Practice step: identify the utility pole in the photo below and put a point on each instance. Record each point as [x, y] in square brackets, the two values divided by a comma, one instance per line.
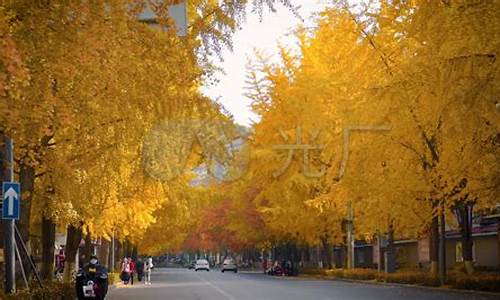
[9, 238]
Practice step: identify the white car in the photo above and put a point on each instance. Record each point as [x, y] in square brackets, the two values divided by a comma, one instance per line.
[202, 264]
[229, 265]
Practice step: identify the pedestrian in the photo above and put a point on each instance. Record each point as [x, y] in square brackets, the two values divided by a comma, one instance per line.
[132, 270]
[277, 269]
[125, 271]
[139, 267]
[288, 268]
[60, 259]
[148, 266]
[264, 265]
[291, 268]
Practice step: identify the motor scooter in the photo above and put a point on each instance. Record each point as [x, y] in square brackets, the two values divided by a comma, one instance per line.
[91, 283]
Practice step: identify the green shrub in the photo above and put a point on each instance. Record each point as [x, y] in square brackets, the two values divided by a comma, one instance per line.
[481, 282]
[380, 276]
[431, 280]
[360, 274]
[337, 273]
[456, 279]
[356, 274]
[113, 278]
[409, 277]
[313, 271]
[487, 269]
[50, 291]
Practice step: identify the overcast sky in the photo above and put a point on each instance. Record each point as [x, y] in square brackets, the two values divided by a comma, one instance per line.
[274, 28]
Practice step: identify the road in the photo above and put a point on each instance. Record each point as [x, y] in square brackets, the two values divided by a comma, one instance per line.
[181, 284]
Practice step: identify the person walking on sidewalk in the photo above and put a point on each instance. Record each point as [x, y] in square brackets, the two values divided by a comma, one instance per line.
[148, 267]
[139, 266]
[132, 270]
[125, 276]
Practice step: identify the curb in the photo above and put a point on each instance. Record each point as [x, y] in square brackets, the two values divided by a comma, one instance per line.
[394, 284]
[112, 287]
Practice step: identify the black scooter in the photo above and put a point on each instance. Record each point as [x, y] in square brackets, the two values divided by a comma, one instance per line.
[91, 282]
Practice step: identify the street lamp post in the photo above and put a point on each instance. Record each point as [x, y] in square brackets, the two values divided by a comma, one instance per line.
[9, 245]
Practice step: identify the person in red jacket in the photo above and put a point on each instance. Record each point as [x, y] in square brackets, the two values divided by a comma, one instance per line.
[132, 270]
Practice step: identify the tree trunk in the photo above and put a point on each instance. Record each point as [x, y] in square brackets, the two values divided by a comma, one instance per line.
[88, 249]
[134, 252]
[119, 253]
[48, 240]
[104, 253]
[124, 248]
[442, 246]
[27, 181]
[344, 255]
[127, 248]
[73, 238]
[390, 252]
[464, 214]
[318, 256]
[296, 256]
[110, 260]
[498, 242]
[302, 262]
[327, 252]
[434, 245]
[379, 252]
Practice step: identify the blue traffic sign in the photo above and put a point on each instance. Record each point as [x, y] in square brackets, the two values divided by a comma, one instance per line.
[11, 200]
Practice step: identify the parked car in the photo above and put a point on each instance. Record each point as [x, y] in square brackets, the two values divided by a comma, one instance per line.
[191, 265]
[179, 261]
[229, 265]
[202, 264]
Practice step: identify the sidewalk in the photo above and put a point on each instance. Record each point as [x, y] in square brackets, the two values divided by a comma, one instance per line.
[375, 282]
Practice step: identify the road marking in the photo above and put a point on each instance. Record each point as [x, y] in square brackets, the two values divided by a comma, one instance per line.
[159, 285]
[218, 289]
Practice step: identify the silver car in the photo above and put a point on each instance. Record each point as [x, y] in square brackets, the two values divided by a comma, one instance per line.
[202, 264]
[229, 265]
